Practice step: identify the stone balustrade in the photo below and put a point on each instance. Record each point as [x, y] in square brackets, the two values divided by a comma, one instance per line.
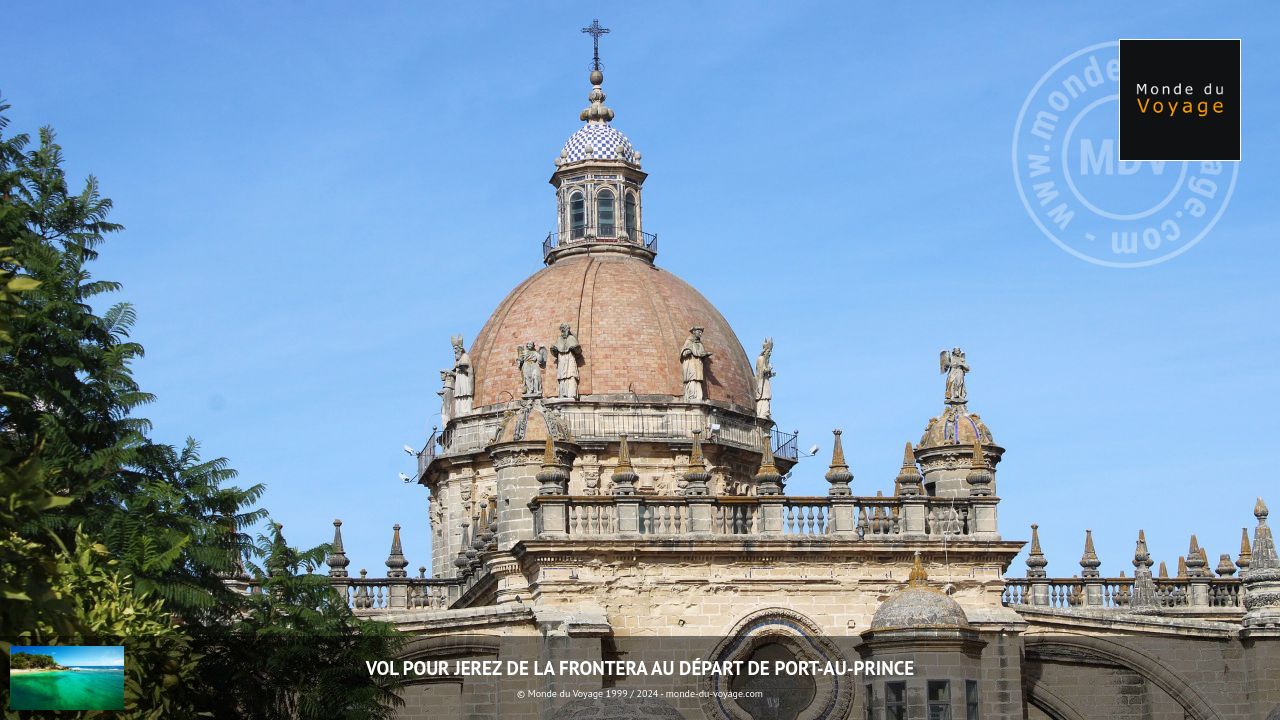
[863, 518]
[373, 595]
[1117, 593]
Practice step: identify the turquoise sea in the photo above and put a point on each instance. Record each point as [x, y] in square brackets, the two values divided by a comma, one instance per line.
[87, 688]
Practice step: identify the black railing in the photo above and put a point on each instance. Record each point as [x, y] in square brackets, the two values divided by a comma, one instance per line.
[648, 241]
[786, 445]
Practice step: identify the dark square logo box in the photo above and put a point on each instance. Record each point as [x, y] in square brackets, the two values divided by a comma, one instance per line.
[1179, 99]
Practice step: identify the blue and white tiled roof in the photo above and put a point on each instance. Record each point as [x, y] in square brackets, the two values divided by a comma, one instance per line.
[598, 141]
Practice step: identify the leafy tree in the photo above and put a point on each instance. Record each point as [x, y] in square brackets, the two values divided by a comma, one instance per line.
[106, 534]
[313, 666]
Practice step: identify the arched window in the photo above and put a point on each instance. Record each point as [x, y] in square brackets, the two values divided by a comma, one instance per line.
[632, 217]
[605, 215]
[577, 216]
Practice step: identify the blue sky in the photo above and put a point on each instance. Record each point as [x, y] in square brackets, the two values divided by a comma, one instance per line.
[318, 195]
[78, 655]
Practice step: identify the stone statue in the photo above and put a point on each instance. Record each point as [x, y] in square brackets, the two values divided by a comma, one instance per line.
[952, 363]
[693, 359]
[764, 380]
[463, 383]
[566, 350]
[531, 360]
[446, 397]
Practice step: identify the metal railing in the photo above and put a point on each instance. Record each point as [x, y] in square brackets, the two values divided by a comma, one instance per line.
[616, 234]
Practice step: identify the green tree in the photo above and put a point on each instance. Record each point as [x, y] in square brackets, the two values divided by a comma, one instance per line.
[110, 535]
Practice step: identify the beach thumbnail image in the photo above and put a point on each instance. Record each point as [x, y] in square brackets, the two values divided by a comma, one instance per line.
[66, 677]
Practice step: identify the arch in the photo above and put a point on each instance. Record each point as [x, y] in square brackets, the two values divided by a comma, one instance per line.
[798, 634]
[1049, 703]
[606, 214]
[577, 215]
[1150, 667]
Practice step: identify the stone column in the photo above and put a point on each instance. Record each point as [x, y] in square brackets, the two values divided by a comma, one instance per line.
[624, 489]
[842, 503]
[769, 487]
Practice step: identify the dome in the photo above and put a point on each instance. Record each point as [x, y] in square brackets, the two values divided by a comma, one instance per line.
[631, 319]
[919, 607]
[955, 426]
[598, 141]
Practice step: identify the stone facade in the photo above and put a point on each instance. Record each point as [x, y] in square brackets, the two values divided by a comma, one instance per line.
[630, 521]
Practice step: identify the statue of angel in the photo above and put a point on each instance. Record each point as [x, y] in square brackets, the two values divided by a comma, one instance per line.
[953, 364]
[531, 360]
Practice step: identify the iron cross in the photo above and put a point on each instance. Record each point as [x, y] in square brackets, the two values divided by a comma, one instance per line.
[595, 31]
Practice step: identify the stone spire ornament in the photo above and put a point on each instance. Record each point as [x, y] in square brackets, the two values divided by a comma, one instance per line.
[1164, 571]
[337, 560]
[768, 479]
[1262, 581]
[696, 476]
[1246, 553]
[1225, 568]
[1036, 561]
[1089, 561]
[918, 577]
[552, 479]
[838, 474]
[1264, 547]
[1144, 588]
[1196, 564]
[624, 476]
[395, 560]
[979, 477]
[910, 482]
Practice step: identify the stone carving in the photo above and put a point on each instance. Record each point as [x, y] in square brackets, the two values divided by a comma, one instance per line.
[693, 359]
[565, 351]
[953, 364]
[531, 360]
[447, 379]
[463, 383]
[764, 380]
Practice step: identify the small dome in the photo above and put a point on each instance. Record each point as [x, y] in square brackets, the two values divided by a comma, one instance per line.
[955, 426]
[598, 141]
[919, 607]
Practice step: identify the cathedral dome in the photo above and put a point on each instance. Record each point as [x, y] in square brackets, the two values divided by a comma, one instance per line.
[631, 318]
[598, 141]
[955, 426]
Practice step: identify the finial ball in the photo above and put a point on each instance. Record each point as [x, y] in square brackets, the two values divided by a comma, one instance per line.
[597, 77]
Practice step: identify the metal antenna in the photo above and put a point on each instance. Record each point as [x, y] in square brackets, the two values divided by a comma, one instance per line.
[595, 31]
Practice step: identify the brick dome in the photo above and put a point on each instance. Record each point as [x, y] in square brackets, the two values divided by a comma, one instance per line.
[631, 319]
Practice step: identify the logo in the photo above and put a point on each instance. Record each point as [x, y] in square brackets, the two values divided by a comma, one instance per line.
[1083, 197]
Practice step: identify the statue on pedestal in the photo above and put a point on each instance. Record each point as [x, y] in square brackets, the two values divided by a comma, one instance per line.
[531, 360]
[953, 364]
[764, 380]
[693, 359]
[566, 350]
[463, 383]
